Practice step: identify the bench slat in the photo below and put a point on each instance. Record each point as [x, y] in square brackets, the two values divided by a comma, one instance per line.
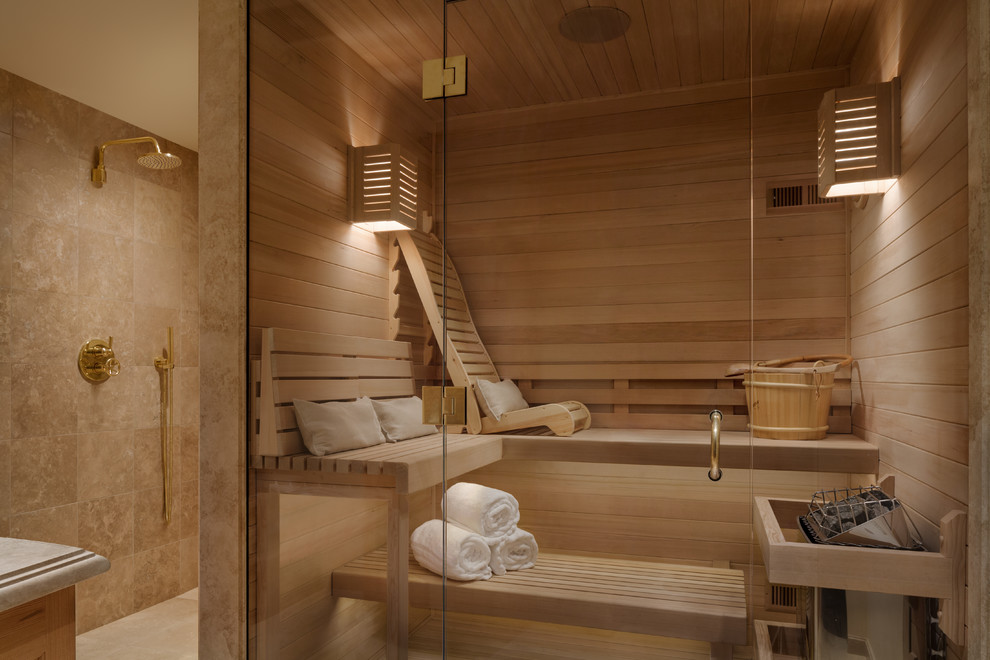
[691, 602]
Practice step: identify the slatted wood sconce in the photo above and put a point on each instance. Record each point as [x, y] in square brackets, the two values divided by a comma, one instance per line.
[859, 139]
[383, 188]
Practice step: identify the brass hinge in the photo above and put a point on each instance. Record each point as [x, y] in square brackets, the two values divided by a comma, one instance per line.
[444, 405]
[445, 78]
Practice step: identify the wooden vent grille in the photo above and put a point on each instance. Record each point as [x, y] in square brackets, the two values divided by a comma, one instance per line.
[781, 598]
[384, 187]
[798, 197]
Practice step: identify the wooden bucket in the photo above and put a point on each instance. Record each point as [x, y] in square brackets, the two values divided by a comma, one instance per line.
[790, 403]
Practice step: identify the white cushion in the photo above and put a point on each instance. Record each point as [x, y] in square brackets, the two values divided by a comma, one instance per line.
[499, 398]
[402, 419]
[335, 426]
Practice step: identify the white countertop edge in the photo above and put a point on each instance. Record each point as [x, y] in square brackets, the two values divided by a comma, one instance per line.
[32, 569]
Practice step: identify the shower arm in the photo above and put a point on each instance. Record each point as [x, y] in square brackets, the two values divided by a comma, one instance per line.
[100, 173]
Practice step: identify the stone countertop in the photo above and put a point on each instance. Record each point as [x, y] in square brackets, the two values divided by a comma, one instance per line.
[32, 569]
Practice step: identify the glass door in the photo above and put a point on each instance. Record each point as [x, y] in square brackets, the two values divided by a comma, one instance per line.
[596, 207]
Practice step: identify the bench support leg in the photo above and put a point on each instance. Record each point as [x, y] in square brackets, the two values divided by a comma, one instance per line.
[721, 651]
[397, 586]
[268, 573]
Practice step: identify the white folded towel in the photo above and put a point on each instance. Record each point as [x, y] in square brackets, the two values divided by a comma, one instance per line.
[467, 556]
[513, 552]
[487, 511]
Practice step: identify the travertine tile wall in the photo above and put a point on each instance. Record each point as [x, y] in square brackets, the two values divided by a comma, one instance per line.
[80, 464]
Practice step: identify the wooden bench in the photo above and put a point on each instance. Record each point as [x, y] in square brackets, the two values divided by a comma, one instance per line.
[587, 591]
[673, 600]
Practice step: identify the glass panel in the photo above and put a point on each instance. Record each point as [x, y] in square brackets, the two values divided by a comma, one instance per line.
[597, 208]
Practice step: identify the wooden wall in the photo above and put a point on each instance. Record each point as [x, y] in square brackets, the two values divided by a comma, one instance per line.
[311, 97]
[604, 246]
[908, 259]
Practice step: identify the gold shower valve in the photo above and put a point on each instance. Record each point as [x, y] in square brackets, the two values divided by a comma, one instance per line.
[97, 362]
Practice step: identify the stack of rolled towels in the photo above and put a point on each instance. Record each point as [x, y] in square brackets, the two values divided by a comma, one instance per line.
[482, 535]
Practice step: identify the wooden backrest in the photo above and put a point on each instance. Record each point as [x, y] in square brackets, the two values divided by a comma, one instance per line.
[467, 359]
[321, 367]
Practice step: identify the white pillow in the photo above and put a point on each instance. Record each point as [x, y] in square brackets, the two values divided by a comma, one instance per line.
[334, 426]
[499, 398]
[402, 419]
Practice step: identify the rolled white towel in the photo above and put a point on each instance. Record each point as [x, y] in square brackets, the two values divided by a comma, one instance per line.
[467, 557]
[513, 552]
[487, 511]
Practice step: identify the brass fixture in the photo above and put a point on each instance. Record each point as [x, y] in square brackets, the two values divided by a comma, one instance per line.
[444, 77]
[715, 472]
[165, 364]
[97, 362]
[154, 160]
[444, 405]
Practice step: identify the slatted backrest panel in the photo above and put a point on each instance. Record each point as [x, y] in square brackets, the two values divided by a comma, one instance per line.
[468, 359]
[320, 367]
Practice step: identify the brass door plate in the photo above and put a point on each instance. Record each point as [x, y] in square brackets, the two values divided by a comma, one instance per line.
[445, 405]
[445, 78]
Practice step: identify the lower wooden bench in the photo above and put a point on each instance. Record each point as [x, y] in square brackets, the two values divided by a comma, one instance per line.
[672, 600]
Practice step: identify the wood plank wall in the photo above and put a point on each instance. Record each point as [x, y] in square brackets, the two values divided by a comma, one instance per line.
[604, 246]
[909, 260]
[311, 97]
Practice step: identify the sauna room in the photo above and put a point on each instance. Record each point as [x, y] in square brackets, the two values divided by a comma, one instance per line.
[659, 316]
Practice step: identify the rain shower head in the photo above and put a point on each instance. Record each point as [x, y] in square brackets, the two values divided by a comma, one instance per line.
[155, 160]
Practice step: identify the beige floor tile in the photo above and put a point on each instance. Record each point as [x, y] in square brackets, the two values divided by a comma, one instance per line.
[167, 631]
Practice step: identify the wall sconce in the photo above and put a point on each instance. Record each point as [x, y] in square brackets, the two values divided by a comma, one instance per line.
[859, 139]
[383, 188]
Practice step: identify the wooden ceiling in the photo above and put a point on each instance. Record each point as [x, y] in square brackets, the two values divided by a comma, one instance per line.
[517, 56]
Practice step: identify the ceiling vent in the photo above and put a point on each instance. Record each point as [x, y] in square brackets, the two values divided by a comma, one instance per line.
[798, 197]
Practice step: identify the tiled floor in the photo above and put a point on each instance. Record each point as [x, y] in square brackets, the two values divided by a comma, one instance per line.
[166, 631]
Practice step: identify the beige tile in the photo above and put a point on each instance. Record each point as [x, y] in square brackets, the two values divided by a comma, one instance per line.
[42, 327]
[189, 514]
[106, 526]
[188, 452]
[45, 117]
[6, 102]
[47, 255]
[107, 209]
[158, 277]
[190, 279]
[5, 321]
[157, 214]
[97, 318]
[6, 241]
[146, 397]
[105, 464]
[166, 631]
[42, 473]
[150, 528]
[186, 396]
[109, 405]
[46, 183]
[97, 127]
[106, 267]
[4, 487]
[4, 403]
[148, 458]
[188, 564]
[43, 400]
[151, 324]
[187, 352]
[56, 525]
[156, 575]
[6, 171]
[106, 597]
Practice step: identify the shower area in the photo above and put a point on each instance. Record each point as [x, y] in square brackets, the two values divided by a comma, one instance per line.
[627, 193]
[99, 328]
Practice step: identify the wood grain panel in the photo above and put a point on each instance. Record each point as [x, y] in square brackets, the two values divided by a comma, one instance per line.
[908, 261]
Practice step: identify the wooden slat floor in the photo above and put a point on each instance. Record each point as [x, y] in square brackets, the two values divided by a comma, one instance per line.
[473, 637]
